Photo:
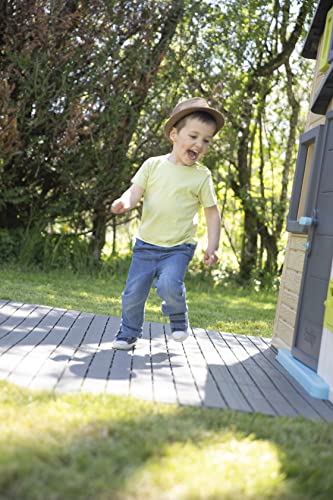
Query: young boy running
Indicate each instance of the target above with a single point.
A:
(173, 186)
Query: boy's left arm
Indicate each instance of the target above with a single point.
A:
(213, 222)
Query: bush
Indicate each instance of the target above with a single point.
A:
(56, 251)
(35, 249)
(223, 274)
(10, 244)
(38, 249)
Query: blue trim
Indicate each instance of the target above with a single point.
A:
(308, 378)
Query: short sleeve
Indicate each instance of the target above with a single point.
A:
(141, 176)
(207, 195)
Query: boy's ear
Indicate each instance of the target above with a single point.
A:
(173, 134)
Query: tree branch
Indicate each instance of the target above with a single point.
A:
(288, 46)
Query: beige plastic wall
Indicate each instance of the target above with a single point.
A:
(285, 317)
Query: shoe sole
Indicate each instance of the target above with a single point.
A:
(124, 347)
(181, 339)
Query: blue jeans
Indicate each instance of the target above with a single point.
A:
(168, 265)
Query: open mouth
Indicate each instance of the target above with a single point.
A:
(192, 155)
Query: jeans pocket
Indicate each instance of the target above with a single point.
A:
(190, 247)
(139, 245)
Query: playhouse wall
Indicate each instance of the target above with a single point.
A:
(283, 331)
(325, 356)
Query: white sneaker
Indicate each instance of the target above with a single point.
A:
(180, 335)
(124, 344)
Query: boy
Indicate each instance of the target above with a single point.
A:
(173, 187)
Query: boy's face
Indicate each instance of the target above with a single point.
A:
(192, 141)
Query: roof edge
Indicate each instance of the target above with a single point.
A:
(317, 27)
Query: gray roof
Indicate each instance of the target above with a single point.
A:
(316, 29)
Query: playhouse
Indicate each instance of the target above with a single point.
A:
(303, 328)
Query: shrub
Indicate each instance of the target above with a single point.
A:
(10, 244)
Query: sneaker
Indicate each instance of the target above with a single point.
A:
(180, 335)
(124, 344)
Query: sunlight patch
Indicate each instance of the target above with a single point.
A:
(233, 468)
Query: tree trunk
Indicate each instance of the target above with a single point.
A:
(99, 233)
(114, 236)
(249, 245)
(250, 240)
(269, 242)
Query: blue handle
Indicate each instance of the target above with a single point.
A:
(306, 221)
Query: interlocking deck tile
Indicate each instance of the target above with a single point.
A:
(70, 351)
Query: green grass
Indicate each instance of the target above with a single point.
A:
(230, 309)
(105, 447)
(86, 447)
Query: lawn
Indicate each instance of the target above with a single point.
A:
(87, 447)
(107, 448)
(229, 308)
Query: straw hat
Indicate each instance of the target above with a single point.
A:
(189, 106)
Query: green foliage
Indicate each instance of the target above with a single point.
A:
(37, 249)
(224, 275)
(237, 55)
(10, 244)
(85, 88)
(74, 79)
(55, 251)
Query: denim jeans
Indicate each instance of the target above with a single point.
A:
(168, 265)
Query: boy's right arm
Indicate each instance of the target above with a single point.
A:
(128, 199)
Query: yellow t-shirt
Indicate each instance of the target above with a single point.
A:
(172, 196)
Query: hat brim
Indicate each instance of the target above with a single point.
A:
(218, 117)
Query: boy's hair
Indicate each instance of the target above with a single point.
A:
(199, 115)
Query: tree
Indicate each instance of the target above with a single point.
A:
(75, 77)
(251, 45)
(239, 55)
(85, 88)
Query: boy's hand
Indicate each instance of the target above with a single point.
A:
(210, 257)
(128, 200)
(119, 206)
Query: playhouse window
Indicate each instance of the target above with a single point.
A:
(306, 177)
(330, 52)
(326, 55)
